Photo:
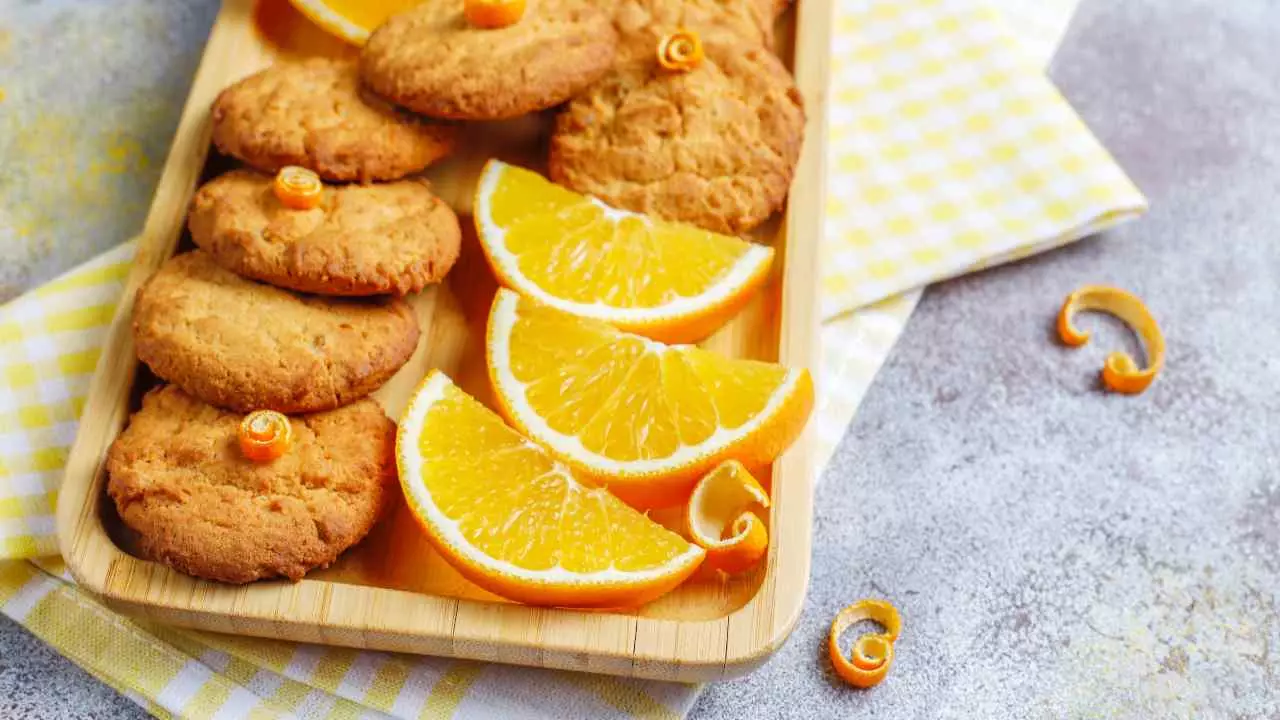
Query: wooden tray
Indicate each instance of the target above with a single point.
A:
(393, 592)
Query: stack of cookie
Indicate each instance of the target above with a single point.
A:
(249, 321)
(715, 145)
(298, 309)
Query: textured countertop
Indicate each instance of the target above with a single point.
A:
(1055, 551)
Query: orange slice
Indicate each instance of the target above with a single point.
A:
(646, 419)
(721, 521)
(351, 20)
(671, 282)
(518, 523)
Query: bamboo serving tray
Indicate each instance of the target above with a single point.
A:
(393, 592)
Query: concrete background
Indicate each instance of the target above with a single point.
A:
(1055, 551)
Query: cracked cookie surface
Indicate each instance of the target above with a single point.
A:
(315, 114)
(243, 345)
(715, 147)
(391, 238)
(197, 504)
(430, 60)
(642, 23)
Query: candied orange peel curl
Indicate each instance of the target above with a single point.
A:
(265, 435)
(680, 50)
(298, 188)
(493, 14)
(1120, 373)
(721, 520)
(873, 652)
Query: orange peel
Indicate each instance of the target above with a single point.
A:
(298, 188)
(1120, 373)
(680, 50)
(265, 435)
(872, 654)
(721, 521)
(493, 14)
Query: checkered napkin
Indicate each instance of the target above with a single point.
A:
(949, 151)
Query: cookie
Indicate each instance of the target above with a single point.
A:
(315, 114)
(715, 147)
(642, 23)
(392, 238)
(244, 346)
(430, 60)
(197, 504)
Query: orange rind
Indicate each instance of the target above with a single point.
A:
(1120, 373)
(720, 518)
(872, 654)
(265, 435)
(680, 51)
(298, 188)
(493, 14)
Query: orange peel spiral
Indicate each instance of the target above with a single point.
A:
(680, 50)
(721, 519)
(1120, 373)
(493, 14)
(265, 435)
(872, 654)
(298, 188)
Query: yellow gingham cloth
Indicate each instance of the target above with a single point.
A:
(949, 150)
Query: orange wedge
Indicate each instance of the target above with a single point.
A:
(644, 418)
(664, 280)
(351, 20)
(518, 523)
(721, 520)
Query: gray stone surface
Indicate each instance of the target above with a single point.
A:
(1056, 551)
(37, 683)
(90, 94)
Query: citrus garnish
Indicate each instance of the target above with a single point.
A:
(873, 652)
(265, 435)
(664, 280)
(645, 418)
(516, 522)
(491, 14)
(721, 520)
(680, 50)
(298, 188)
(351, 20)
(1120, 373)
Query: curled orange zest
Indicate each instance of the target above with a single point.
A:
(721, 521)
(491, 14)
(680, 50)
(298, 188)
(265, 435)
(1120, 373)
(873, 652)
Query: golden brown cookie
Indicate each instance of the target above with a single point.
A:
(430, 60)
(315, 114)
(180, 481)
(246, 346)
(362, 240)
(715, 147)
(642, 23)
